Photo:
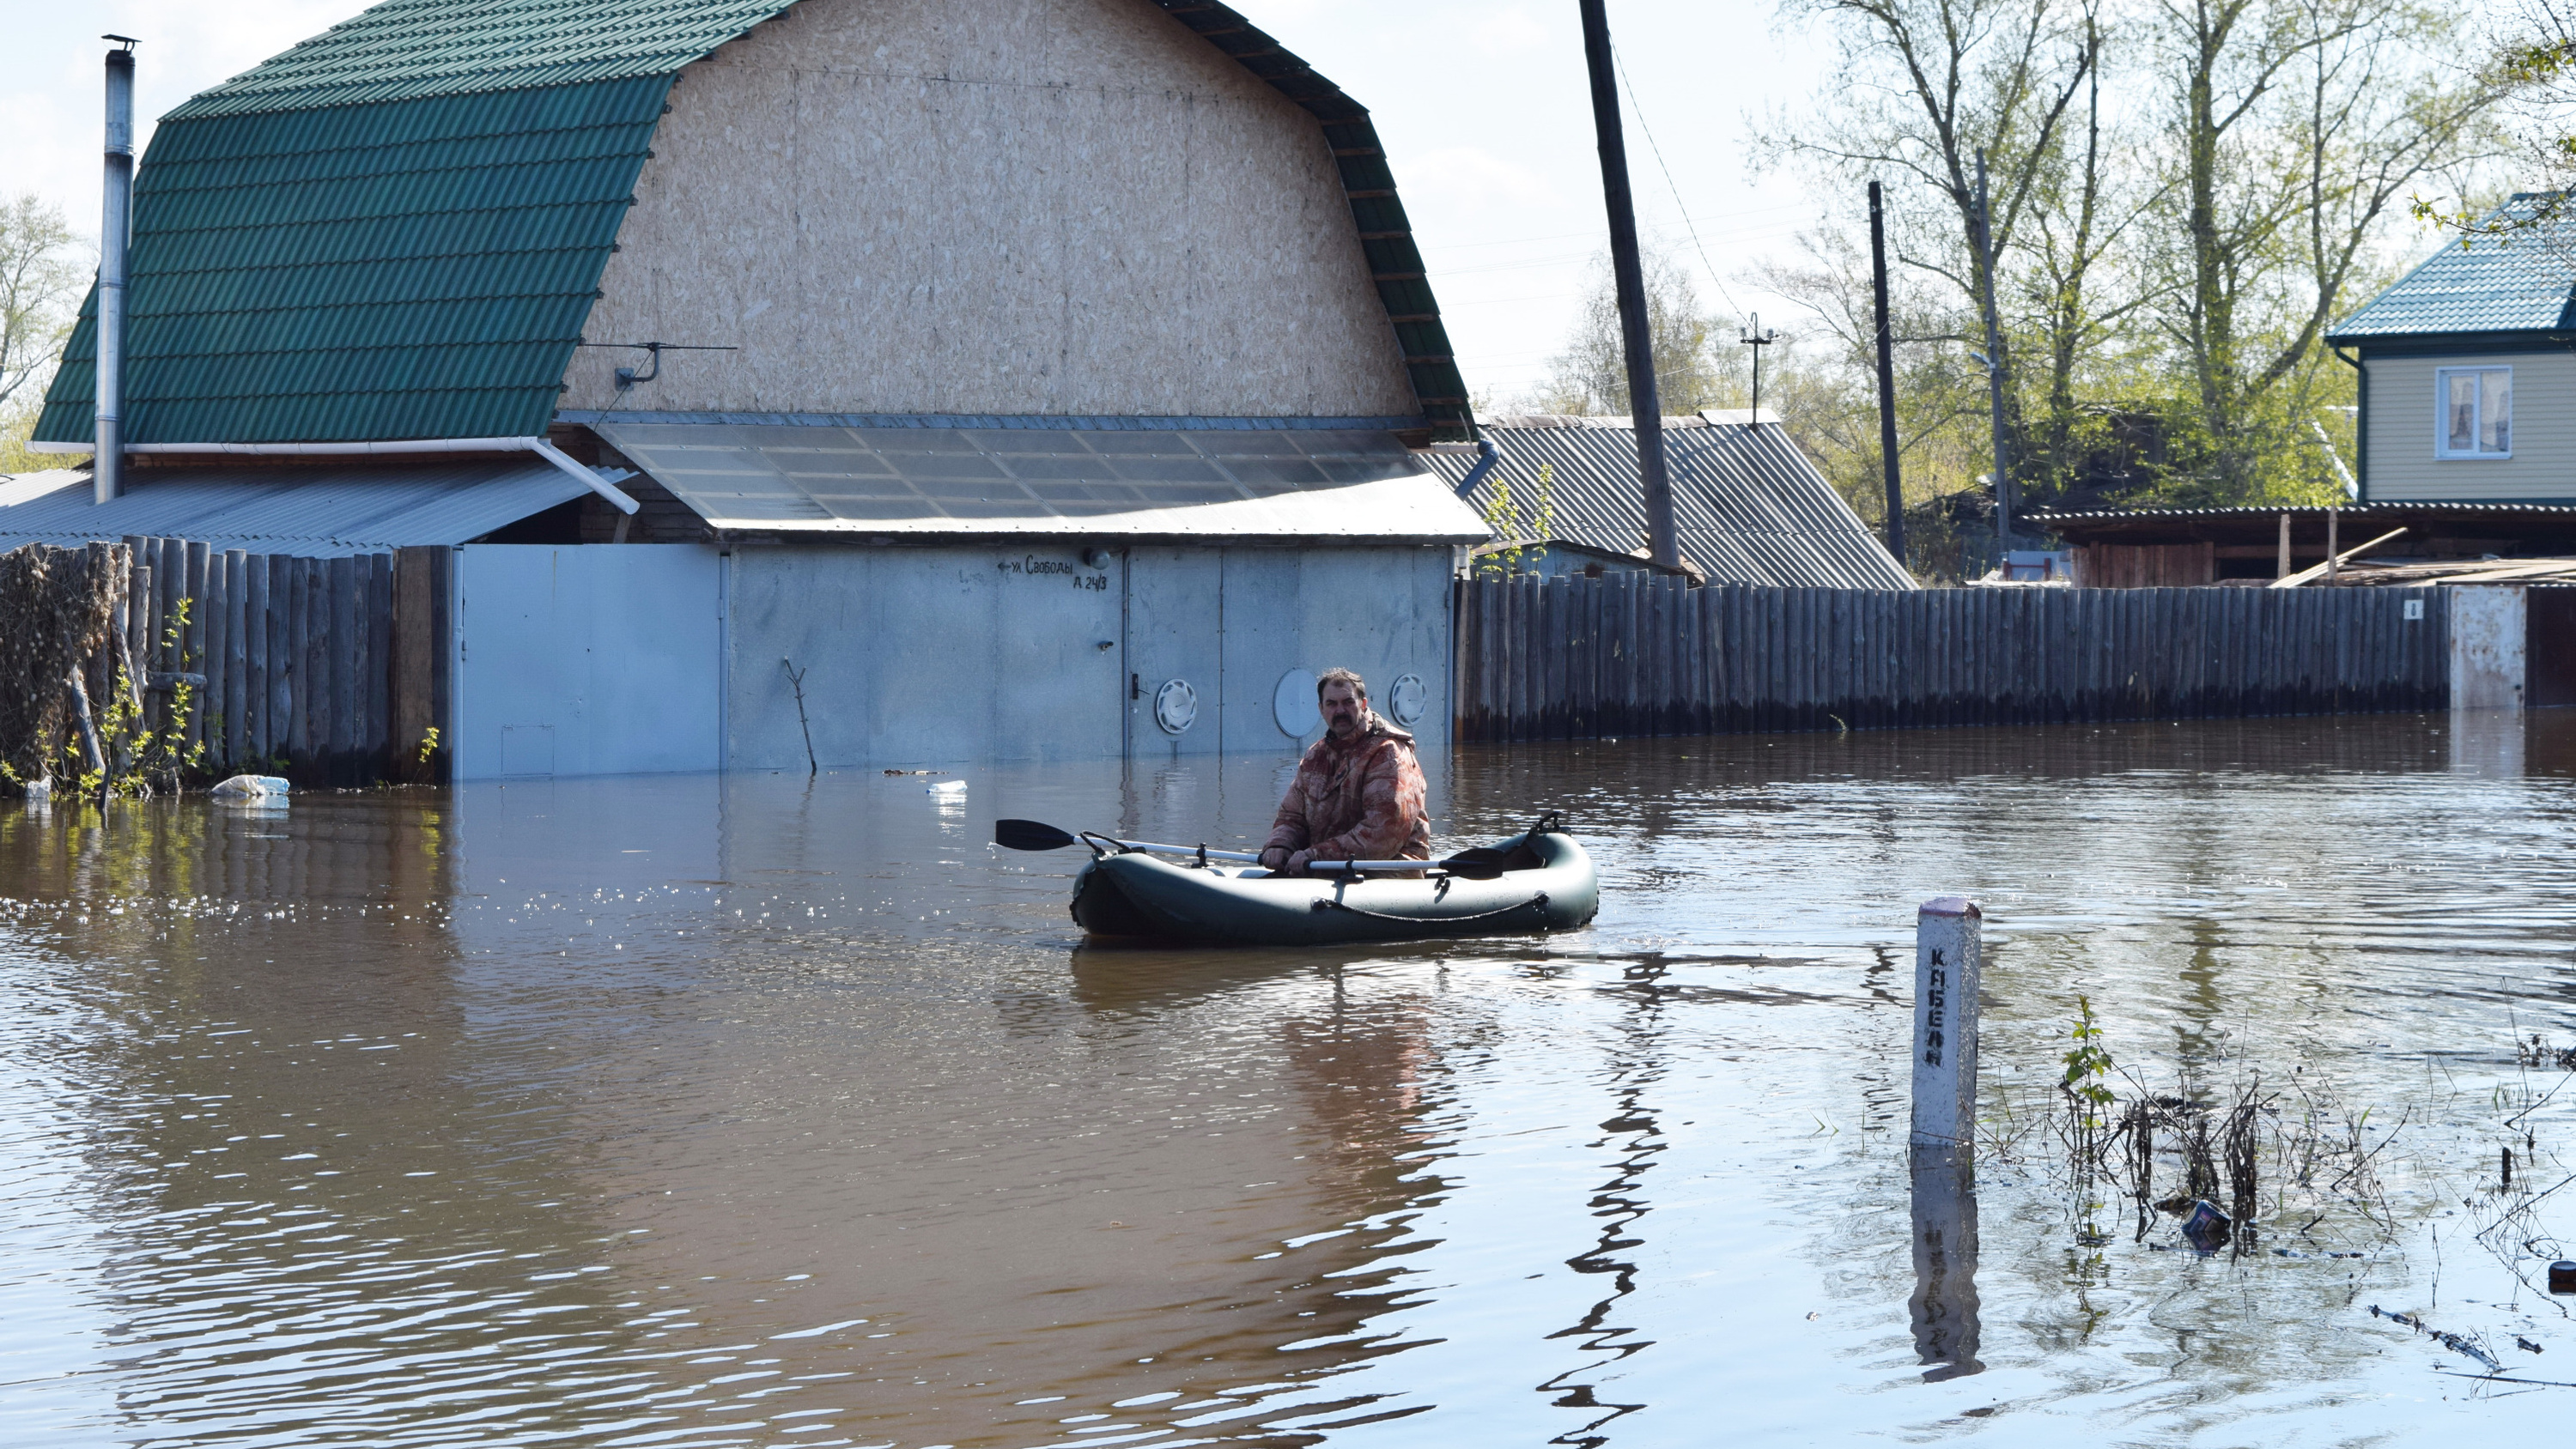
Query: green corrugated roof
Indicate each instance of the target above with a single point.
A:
(398, 269)
(412, 49)
(397, 228)
(2521, 281)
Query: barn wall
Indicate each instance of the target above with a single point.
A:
(1009, 206)
(2145, 565)
(930, 656)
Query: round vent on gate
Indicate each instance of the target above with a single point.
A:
(1176, 706)
(1292, 704)
(1408, 699)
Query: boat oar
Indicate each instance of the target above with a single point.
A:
(1480, 864)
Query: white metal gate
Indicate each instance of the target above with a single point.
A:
(600, 660)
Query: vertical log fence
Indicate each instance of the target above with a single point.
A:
(1579, 658)
(324, 670)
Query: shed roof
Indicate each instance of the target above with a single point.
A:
(396, 228)
(311, 512)
(1748, 505)
(1050, 477)
(2522, 281)
(2538, 522)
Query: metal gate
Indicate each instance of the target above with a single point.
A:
(605, 660)
(1175, 650)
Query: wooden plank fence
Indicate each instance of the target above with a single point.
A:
(325, 670)
(1624, 655)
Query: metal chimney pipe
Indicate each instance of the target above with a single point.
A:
(114, 227)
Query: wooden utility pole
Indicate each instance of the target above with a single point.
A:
(1643, 401)
(1994, 362)
(1886, 380)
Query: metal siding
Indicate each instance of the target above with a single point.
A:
(920, 654)
(307, 512)
(1749, 507)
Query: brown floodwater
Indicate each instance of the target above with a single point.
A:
(759, 1111)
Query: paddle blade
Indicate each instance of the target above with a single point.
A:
(1029, 835)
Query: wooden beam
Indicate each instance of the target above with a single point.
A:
(2334, 561)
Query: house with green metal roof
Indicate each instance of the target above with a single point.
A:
(1033, 372)
(2468, 369)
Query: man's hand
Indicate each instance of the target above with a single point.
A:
(1299, 861)
(1275, 858)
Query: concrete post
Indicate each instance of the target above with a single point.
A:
(1948, 956)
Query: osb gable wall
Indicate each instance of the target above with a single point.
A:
(990, 206)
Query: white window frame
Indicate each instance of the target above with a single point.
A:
(2442, 448)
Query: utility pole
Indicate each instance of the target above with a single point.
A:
(107, 465)
(1757, 339)
(1886, 381)
(1643, 402)
(1994, 361)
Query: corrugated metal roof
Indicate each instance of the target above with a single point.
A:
(1041, 422)
(415, 269)
(309, 512)
(1749, 507)
(16, 488)
(921, 482)
(2524, 281)
(2302, 510)
(396, 229)
(2523, 525)
(414, 49)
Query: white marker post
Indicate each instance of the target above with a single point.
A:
(1948, 955)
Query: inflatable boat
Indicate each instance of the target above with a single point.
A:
(1538, 881)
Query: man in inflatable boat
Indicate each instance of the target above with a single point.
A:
(1358, 793)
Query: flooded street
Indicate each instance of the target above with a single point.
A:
(714, 1111)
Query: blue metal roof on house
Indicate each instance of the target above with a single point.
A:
(2521, 281)
(1749, 507)
(310, 512)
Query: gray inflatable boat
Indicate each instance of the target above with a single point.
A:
(1545, 882)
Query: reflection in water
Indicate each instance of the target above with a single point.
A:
(765, 1110)
(1944, 1303)
(1621, 1204)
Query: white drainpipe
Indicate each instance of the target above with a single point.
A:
(539, 446)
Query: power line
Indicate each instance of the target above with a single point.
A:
(1676, 186)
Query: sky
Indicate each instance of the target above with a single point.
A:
(1485, 109)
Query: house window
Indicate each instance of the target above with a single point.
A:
(2475, 406)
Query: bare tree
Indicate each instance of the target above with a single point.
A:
(1696, 360)
(40, 288)
(2294, 127)
(1935, 84)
